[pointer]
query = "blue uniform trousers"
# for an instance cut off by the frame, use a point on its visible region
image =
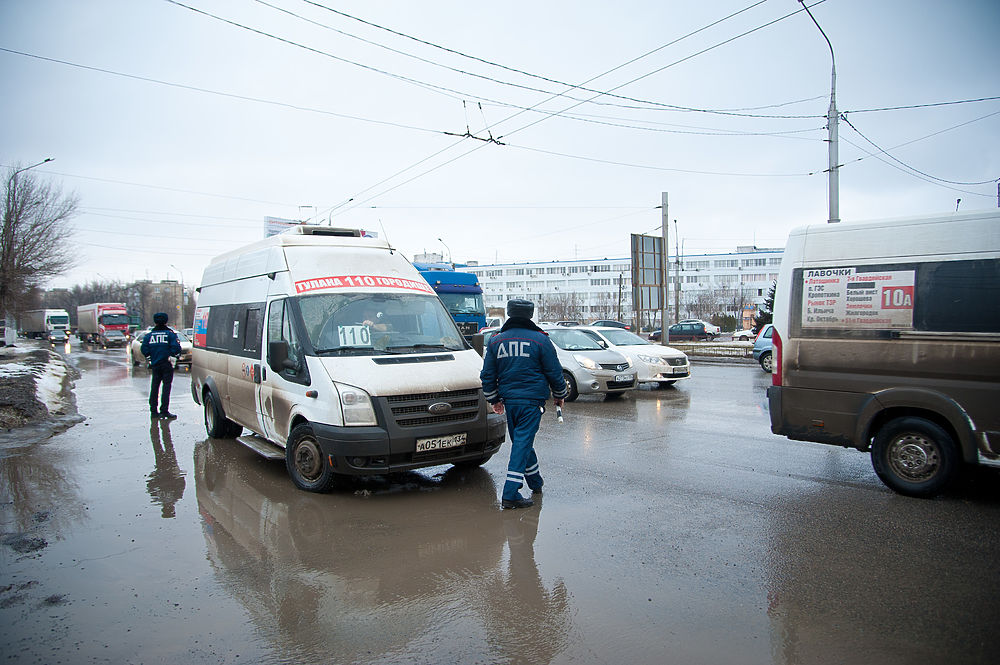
(522, 423)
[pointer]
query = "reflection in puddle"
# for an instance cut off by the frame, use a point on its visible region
(165, 483)
(380, 567)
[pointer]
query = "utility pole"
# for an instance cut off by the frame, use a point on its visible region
(832, 118)
(677, 273)
(664, 270)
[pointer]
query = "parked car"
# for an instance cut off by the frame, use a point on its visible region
(687, 332)
(743, 335)
(712, 329)
(135, 348)
(493, 322)
(588, 367)
(611, 323)
(654, 363)
(567, 324)
(762, 349)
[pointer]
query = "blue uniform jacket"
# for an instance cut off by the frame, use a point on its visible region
(159, 344)
(520, 365)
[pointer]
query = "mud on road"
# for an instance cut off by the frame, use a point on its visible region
(673, 528)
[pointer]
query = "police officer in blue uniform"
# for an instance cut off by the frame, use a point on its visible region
(159, 345)
(520, 368)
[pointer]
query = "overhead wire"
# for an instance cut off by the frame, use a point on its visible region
(549, 115)
(911, 168)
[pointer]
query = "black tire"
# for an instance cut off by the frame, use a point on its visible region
(306, 463)
(572, 392)
(609, 397)
(767, 362)
(217, 426)
(915, 457)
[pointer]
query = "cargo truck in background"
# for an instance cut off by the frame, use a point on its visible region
(461, 294)
(38, 323)
(104, 323)
(886, 339)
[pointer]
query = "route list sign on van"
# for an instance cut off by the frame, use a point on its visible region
(844, 298)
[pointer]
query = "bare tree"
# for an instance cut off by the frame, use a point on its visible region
(34, 242)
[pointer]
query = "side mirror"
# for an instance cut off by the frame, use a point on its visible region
(277, 356)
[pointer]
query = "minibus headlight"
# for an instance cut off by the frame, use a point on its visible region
(356, 405)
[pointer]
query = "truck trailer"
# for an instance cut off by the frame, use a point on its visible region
(38, 323)
(104, 323)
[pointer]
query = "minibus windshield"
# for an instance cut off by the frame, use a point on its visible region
(377, 324)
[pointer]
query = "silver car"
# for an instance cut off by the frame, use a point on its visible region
(588, 367)
(135, 348)
(654, 363)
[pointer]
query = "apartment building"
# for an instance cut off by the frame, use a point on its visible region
(733, 283)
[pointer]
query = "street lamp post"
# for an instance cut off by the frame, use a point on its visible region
(832, 118)
(449, 252)
(181, 305)
(7, 259)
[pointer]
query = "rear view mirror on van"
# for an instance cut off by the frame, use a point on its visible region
(277, 356)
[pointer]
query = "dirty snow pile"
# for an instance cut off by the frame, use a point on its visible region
(33, 386)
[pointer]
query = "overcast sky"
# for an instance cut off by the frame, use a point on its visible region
(180, 131)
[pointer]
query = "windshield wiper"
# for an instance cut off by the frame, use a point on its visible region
(346, 350)
(419, 345)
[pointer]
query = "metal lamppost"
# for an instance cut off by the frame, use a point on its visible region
(449, 252)
(181, 305)
(7, 260)
(832, 118)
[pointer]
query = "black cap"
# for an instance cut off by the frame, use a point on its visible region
(160, 318)
(520, 308)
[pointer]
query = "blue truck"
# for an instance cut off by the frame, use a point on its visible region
(460, 292)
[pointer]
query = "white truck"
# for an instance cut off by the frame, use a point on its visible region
(38, 323)
(104, 323)
(339, 358)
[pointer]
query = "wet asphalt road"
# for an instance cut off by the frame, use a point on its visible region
(674, 528)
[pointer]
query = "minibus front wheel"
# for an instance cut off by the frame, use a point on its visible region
(305, 461)
(915, 456)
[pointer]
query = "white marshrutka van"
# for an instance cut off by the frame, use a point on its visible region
(887, 339)
(339, 357)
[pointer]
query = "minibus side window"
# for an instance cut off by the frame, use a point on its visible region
(959, 296)
(220, 326)
(252, 327)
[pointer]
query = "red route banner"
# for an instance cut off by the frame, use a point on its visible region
(361, 281)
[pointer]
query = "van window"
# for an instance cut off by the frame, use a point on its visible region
(220, 327)
(252, 331)
(958, 296)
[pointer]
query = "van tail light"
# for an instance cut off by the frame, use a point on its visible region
(776, 353)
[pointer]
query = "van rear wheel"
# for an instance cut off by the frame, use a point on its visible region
(305, 461)
(915, 456)
(217, 426)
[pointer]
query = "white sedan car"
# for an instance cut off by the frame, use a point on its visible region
(747, 335)
(658, 364)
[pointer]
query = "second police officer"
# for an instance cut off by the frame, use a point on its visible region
(520, 368)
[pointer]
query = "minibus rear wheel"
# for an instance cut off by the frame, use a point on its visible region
(217, 426)
(305, 461)
(915, 456)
